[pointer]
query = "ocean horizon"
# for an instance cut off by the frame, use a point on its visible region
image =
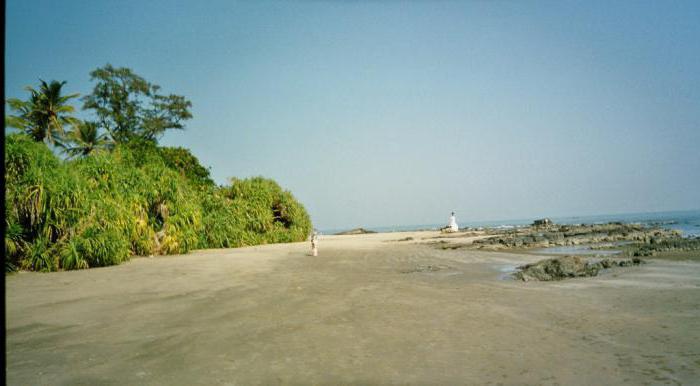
(686, 221)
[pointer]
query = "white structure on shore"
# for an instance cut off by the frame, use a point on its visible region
(452, 224)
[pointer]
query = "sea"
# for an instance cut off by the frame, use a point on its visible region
(688, 222)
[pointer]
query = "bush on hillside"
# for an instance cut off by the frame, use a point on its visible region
(186, 164)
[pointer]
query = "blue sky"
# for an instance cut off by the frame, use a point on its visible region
(396, 113)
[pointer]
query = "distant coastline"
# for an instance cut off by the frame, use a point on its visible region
(687, 221)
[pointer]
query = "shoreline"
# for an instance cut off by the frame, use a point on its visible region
(660, 218)
(369, 309)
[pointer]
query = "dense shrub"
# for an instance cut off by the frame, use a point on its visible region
(138, 199)
(188, 165)
(250, 212)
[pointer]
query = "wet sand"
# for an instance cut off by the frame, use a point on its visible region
(368, 310)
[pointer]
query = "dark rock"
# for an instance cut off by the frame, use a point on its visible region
(356, 231)
(558, 235)
(667, 244)
(542, 222)
(557, 269)
(568, 267)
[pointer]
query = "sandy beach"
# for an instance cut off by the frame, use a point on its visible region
(370, 309)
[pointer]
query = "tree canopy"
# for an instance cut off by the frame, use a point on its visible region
(84, 139)
(45, 114)
(128, 106)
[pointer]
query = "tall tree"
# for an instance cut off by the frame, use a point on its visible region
(129, 107)
(45, 114)
(84, 139)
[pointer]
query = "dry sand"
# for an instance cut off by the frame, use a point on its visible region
(368, 310)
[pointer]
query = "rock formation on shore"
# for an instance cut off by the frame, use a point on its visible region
(676, 244)
(542, 222)
(568, 267)
(566, 235)
(356, 231)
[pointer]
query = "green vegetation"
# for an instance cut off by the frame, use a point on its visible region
(45, 114)
(120, 194)
(128, 106)
(252, 211)
(183, 161)
(84, 139)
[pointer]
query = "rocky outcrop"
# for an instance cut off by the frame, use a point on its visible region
(654, 245)
(568, 267)
(556, 269)
(542, 222)
(567, 235)
(356, 231)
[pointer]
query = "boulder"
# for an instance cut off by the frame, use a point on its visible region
(356, 231)
(557, 269)
(542, 222)
(567, 267)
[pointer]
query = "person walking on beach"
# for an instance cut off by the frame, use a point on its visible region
(314, 244)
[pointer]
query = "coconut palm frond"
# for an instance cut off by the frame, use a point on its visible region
(86, 138)
(45, 114)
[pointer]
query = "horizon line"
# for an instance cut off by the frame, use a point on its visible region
(522, 219)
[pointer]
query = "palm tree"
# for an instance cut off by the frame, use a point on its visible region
(84, 139)
(44, 114)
